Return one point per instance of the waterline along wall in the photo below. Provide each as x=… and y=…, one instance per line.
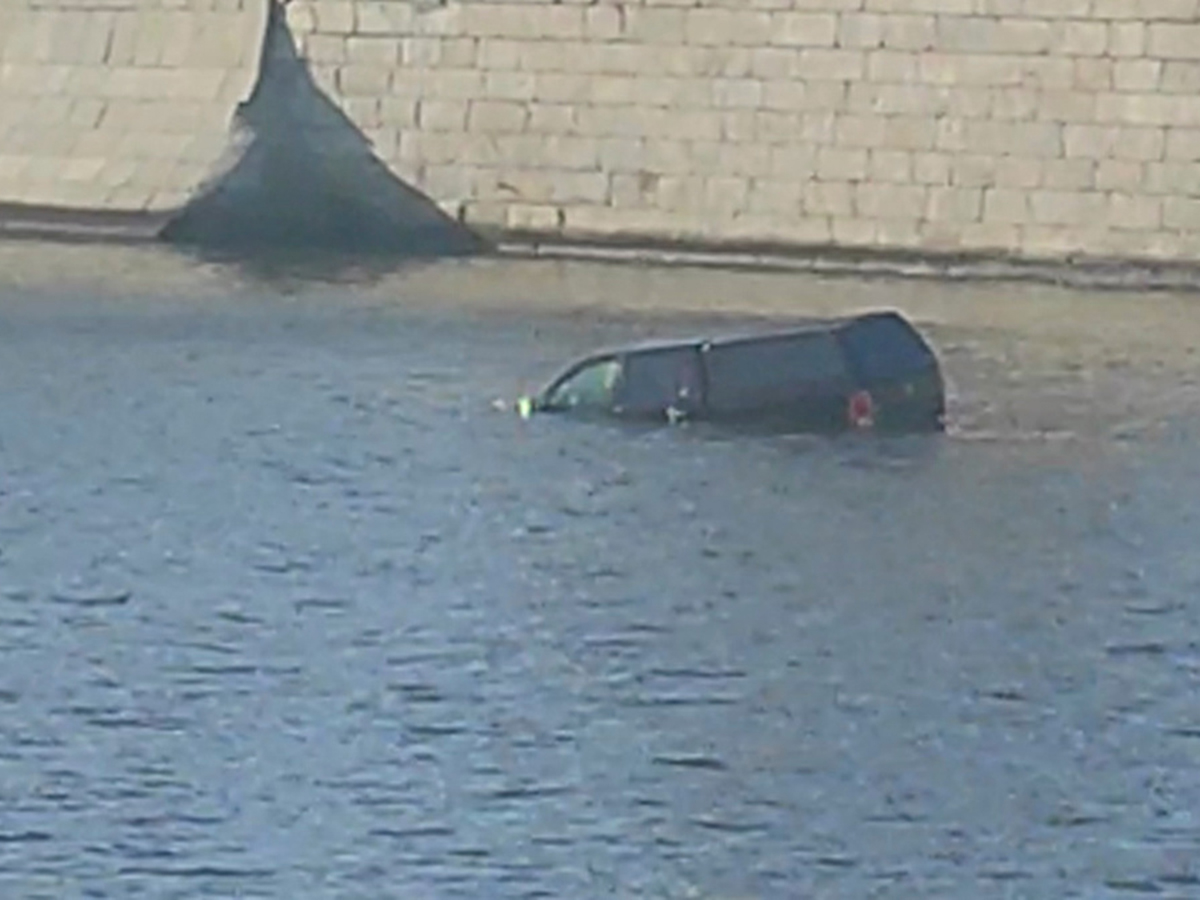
x=1033, y=128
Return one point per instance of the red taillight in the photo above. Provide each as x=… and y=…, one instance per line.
x=861, y=410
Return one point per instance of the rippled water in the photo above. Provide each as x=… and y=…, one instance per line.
x=287, y=609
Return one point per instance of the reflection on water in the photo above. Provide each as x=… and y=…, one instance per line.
x=288, y=610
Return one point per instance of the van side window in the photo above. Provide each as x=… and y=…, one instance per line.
x=757, y=373
x=660, y=379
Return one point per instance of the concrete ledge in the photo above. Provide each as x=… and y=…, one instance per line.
x=1074, y=271
x=58, y=223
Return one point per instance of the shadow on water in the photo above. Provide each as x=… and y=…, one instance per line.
x=289, y=270
x=302, y=175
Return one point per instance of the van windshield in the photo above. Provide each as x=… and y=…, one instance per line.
x=591, y=387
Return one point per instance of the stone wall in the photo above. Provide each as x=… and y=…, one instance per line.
x=189, y=119
x=1029, y=127
x=120, y=105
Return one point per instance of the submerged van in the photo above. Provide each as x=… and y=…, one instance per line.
x=872, y=371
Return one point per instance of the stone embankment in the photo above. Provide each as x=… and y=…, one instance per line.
x=1019, y=129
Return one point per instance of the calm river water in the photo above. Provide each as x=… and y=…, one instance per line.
x=289, y=610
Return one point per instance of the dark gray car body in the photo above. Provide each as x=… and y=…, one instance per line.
x=872, y=371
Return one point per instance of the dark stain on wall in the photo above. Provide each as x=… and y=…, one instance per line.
x=299, y=173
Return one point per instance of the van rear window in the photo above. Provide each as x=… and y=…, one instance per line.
x=885, y=346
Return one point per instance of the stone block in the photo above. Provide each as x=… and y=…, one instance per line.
x=807, y=231
x=603, y=23
x=840, y=164
x=917, y=33
x=973, y=169
x=986, y=35
x=521, y=86
x=793, y=162
x=832, y=65
x=1066, y=106
x=722, y=28
x=1075, y=208
x=383, y=17
x=1006, y=206
x=890, y=201
x=558, y=88
x=784, y=96
x=956, y=70
x=1182, y=145
x=1139, y=109
x=654, y=24
x=497, y=116
x=853, y=232
x=1127, y=39
x=910, y=133
x=1069, y=174
x=891, y=66
x=505, y=53
x=579, y=187
x=365, y=111
x=1055, y=9
x=677, y=193
x=1181, y=77
x=749, y=160
x=1094, y=75
x=625, y=155
x=829, y=198
x=447, y=184
x=1083, y=38
x=533, y=217
x=1115, y=142
x=737, y=93
x=931, y=168
x=365, y=80
x=865, y=98
x=1182, y=213
x=1010, y=104
x=627, y=190
x=803, y=29
x=861, y=131
x=1137, y=75
x=373, y=50
x=1128, y=212
x=1174, y=40
x=454, y=84
x=1037, y=139
x=897, y=233
x=1018, y=172
x=891, y=167
x=989, y=236
x=1171, y=178
x=776, y=197
x=772, y=64
x=401, y=112
x=726, y=195
x=569, y=152
x=441, y=21
x=1119, y=175
x=860, y=30
x=551, y=118
x=818, y=127
x=693, y=125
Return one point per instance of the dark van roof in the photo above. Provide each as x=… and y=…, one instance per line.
x=795, y=327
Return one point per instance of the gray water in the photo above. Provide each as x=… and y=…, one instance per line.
x=289, y=610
